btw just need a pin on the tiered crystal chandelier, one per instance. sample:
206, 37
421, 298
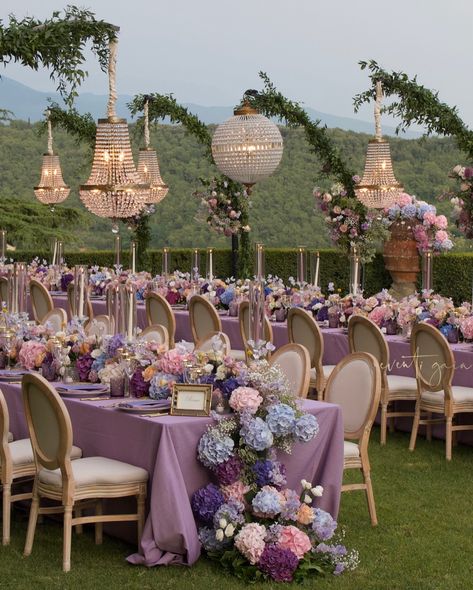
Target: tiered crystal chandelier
247, 147
114, 189
378, 187
148, 166
51, 188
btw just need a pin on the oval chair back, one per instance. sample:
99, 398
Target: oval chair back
100, 325
365, 336
159, 312
70, 302
294, 362
203, 317
4, 290
244, 321
208, 344
156, 333
56, 318
41, 300
433, 359
303, 329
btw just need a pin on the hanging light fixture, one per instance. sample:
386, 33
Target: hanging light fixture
148, 166
51, 188
378, 188
247, 147
114, 188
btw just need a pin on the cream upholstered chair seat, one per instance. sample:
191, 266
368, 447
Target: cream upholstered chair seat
399, 384
208, 343
56, 319
100, 325
460, 395
96, 471
294, 362
327, 369
41, 300
9, 437
351, 451
155, 333
21, 452
203, 317
159, 312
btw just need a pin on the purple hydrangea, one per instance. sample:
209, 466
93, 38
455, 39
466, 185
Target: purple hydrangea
139, 387
229, 471
227, 296
281, 419
256, 434
214, 449
273, 533
205, 503
291, 505
65, 280
84, 364
115, 342
409, 211
269, 473
323, 524
322, 314
231, 511
267, 502
227, 386
209, 541
278, 563
306, 428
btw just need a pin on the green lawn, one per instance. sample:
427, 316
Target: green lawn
424, 539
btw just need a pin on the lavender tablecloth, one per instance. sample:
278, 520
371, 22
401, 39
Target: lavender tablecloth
166, 448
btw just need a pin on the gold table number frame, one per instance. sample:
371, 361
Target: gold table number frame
191, 399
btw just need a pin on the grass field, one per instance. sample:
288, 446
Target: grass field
424, 539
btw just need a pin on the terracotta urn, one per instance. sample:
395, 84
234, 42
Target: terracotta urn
402, 259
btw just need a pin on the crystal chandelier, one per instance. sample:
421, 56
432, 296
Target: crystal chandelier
148, 167
247, 147
114, 188
378, 188
51, 188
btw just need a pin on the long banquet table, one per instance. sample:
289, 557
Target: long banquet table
166, 447
335, 342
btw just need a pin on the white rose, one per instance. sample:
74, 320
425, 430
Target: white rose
219, 535
222, 523
96, 353
229, 530
208, 368
306, 485
307, 499
317, 491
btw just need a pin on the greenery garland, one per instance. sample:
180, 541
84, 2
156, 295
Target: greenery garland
58, 44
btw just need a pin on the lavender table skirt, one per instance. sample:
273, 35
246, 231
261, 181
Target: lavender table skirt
166, 448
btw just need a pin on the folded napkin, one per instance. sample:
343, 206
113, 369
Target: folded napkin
13, 372
82, 387
159, 404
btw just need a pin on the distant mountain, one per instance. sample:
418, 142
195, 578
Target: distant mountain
29, 104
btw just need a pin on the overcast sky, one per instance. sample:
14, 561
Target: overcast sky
210, 51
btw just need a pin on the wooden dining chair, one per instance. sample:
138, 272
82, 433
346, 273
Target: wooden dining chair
365, 336
159, 312
303, 329
435, 366
41, 300
4, 290
69, 482
70, 303
56, 319
355, 385
208, 343
294, 362
244, 323
155, 333
16, 462
203, 317
101, 325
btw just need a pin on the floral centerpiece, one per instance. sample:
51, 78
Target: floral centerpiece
249, 520
462, 200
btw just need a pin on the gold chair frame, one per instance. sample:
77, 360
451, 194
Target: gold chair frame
38, 287
198, 305
164, 317
164, 336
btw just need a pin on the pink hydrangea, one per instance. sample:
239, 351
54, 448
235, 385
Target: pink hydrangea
235, 491
295, 540
466, 327
172, 362
32, 354
245, 398
430, 218
379, 314
404, 199
250, 541
441, 222
441, 236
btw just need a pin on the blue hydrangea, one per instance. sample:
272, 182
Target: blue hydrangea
99, 363
231, 511
209, 541
227, 296
291, 505
267, 502
425, 208
306, 428
409, 211
323, 524
256, 434
214, 449
394, 211
281, 419
159, 386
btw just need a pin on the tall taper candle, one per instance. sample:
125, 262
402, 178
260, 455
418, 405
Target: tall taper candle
60, 253
165, 265
133, 257
210, 264
316, 269
195, 266
3, 245
301, 265
54, 260
259, 250
118, 248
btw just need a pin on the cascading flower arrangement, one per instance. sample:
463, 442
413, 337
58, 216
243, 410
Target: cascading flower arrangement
462, 200
428, 228
350, 223
218, 207
249, 521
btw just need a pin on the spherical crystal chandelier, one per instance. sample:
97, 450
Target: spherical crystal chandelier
247, 147
148, 166
378, 188
51, 188
114, 188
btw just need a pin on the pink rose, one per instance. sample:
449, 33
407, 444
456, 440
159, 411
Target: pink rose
250, 541
295, 540
245, 398
233, 214
441, 222
213, 202
441, 236
343, 228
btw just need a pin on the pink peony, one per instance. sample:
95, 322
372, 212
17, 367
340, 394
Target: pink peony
245, 398
295, 540
32, 354
404, 199
441, 222
441, 236
235, 491
250, 541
